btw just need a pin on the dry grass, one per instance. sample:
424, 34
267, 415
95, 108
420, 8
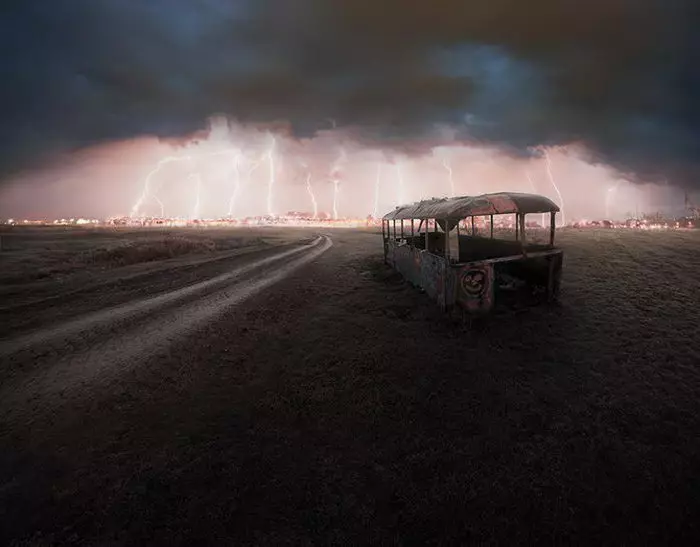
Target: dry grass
44, 253
385, 422
571, 424
148, 251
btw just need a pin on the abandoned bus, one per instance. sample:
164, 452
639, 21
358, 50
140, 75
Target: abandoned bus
447, 248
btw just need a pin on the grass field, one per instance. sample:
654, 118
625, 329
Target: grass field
578, 424
31, 253
47, 262
342, 406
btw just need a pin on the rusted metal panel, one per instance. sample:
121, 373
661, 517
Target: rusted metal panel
433, 277
407, 261
404, 262
536, 254
417, 267
390, 253
413, 267
470, 285
485, 204
451, 286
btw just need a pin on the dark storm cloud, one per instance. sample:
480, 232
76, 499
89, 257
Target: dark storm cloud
619, 76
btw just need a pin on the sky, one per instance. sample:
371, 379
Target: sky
96, 92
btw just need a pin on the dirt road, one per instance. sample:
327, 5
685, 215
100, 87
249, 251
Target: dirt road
332, 404
76, 354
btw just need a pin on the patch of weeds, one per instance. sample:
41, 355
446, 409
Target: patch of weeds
147, 251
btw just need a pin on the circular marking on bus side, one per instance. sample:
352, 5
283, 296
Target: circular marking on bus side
474, 282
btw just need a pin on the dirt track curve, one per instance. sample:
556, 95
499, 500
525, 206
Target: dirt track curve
99, 345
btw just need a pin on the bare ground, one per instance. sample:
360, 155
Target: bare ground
339, 406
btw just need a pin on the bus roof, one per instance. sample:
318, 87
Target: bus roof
465, 206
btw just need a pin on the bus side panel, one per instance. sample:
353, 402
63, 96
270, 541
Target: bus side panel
451, 276
433, 277
403, 261
474, 287
407, 261
416, 275
390, 258
410, 268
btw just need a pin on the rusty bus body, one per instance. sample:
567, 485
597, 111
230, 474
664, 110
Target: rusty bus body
426, 242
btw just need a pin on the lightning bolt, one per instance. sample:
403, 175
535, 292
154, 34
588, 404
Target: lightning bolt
310, 191
399, 185
375, 213
336, 188
271, 180
236, 153
197, 201
446, 165
251, 169
237, 156
612, 190
529, 179
335, 173
146, 192
253, 165
548, 164
149, 192
237, 183
534, 191
162, 207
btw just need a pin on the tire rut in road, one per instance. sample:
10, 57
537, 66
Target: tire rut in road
104, 343
81, 298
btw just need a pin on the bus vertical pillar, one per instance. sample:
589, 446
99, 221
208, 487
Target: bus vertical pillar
385, 238
491, 226
517, 227
523, 235
427, 234
447, 240
552, 227
551, 288
446, 267
459, 243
